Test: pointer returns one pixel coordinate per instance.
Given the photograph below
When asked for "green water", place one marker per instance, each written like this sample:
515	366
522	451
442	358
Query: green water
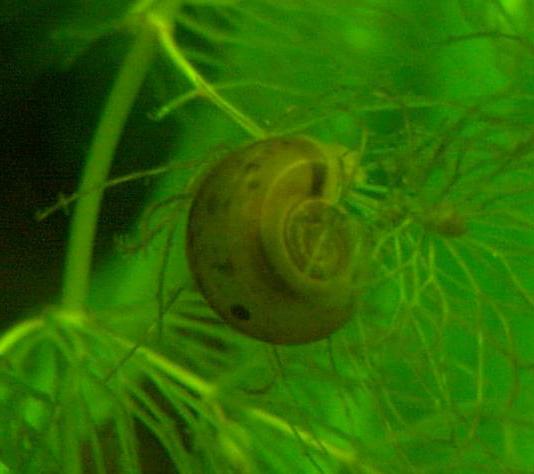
123	368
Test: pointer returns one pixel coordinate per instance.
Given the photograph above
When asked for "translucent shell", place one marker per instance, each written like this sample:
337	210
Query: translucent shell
268	244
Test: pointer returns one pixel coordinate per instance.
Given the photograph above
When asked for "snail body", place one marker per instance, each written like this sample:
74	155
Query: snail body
268	244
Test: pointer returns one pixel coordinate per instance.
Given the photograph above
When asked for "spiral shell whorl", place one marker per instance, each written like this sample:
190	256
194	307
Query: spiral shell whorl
268	245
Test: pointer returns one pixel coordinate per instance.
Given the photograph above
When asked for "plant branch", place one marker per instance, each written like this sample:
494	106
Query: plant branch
202	87
99	158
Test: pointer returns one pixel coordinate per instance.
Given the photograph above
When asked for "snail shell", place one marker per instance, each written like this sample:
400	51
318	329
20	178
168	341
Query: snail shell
268	245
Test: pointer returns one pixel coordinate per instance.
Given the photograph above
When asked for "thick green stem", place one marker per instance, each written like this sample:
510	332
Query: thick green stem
99	159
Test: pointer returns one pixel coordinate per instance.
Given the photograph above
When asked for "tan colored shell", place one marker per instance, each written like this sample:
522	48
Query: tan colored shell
267	243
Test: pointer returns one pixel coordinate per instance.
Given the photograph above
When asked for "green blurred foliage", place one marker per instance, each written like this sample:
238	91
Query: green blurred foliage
434	372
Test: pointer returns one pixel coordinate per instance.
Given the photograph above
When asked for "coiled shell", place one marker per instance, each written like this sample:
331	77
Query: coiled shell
268	244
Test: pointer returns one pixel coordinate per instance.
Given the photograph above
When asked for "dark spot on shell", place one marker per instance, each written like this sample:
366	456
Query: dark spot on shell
225	204
252	167
226	267
253	184
238	311
319	179
212	204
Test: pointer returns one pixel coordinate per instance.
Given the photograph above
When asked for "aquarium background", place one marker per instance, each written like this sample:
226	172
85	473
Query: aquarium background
111	362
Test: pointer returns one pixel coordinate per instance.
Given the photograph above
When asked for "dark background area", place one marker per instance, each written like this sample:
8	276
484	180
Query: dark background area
48	111
55	73
31	252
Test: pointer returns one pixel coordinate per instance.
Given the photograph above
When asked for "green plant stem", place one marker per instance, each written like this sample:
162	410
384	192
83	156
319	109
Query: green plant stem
19	333
202	87
105	141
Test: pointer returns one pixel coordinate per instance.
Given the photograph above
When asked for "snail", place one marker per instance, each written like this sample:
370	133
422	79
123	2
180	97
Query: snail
268	244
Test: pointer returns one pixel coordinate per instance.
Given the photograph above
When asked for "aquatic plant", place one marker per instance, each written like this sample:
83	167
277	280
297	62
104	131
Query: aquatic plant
130	370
